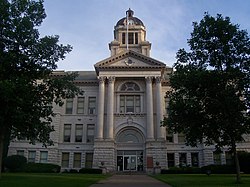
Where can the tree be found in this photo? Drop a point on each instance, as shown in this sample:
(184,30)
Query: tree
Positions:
(209,100)
(27,87)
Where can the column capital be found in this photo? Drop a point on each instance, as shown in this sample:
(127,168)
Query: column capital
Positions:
(111,79)
(158,79)
(101,79)
(149,79)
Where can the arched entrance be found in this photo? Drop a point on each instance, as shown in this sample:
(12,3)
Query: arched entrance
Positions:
(130,150)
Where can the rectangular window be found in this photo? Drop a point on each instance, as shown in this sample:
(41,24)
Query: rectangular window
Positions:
(32,156)
(65,160)
(136,38)
(69,106)
(20,152)
(92,105)
(67,133)
(137,104)
(124,38)
(229,158)
(130,38)
(89,160)
(79,132)
(183,159)
(43,156)
(122,104)
(181,138)
(167,105)
(169,137)
(217,158)
(171,162)
(195,159)
(77,160)
(90,133)
(130,104)
(80,105)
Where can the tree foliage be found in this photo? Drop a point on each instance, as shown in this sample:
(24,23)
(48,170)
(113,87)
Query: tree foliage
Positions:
(27,61)
(209,100)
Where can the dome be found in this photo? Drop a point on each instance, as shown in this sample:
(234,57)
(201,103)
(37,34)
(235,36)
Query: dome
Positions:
(133,20)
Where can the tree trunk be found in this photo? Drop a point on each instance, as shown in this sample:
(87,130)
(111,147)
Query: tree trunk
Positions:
(237,164)
(1,151)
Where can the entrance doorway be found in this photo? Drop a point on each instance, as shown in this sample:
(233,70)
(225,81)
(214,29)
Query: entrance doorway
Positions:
(129,163)
(129,160)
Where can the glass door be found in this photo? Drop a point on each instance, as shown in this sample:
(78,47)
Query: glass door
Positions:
(130,162)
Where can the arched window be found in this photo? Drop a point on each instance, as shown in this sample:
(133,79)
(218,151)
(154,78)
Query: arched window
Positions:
(130,136)
(130,86)
(130,98)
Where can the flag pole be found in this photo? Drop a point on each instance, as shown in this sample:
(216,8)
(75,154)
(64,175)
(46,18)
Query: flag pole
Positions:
(127,29)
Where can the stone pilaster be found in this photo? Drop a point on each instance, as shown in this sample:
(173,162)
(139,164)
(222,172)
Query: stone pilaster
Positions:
(100,114)
(161,132)
(149,96)
(104,151)
(158,151)
(110,108)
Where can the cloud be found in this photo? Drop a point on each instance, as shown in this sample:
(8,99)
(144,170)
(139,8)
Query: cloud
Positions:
(88,25)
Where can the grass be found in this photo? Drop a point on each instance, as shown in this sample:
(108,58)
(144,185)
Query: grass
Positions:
(197,180)
(49,180)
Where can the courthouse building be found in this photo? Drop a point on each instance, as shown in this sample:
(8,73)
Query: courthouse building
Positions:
(116,123)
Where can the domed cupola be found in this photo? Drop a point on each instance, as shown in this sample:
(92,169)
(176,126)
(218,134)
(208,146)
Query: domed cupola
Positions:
(131,19)
(130,34)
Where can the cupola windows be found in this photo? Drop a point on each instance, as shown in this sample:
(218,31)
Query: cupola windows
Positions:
(132,38)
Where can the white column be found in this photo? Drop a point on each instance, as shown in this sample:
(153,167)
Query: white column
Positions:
(110,109)
(149,96)
(161,132)
(100,114)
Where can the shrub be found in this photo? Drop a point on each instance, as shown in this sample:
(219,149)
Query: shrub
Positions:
(73,171)
(181,170)
(15,163)
(219,169)
(90,171)
(41,168)
(65,171)
(244,159)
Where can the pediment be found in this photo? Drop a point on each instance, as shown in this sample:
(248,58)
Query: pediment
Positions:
(129,60)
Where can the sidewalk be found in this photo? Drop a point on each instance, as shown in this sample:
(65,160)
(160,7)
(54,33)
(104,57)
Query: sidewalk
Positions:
(130,181)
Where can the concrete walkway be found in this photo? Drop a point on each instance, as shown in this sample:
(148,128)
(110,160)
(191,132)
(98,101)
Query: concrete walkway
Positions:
(130,181)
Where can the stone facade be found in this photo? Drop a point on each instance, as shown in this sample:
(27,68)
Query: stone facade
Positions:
(115,124)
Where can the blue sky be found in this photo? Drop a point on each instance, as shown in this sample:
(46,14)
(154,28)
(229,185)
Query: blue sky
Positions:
(88,25)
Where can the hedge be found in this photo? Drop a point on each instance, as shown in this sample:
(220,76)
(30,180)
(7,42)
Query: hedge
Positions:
(244,159)
(41,168)
(219,169)
(181,170)
(90,171)
(210,169)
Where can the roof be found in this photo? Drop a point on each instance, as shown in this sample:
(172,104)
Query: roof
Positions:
(147,62)
(86,75)
(82,75)
(129,14)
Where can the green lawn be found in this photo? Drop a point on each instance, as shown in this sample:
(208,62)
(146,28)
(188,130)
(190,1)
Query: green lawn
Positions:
(201,180)
(49,180)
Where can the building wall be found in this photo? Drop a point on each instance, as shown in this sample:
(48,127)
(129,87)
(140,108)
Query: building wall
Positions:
(107,153)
